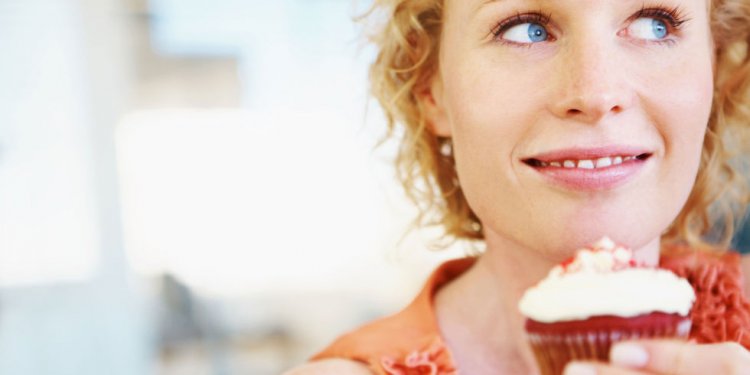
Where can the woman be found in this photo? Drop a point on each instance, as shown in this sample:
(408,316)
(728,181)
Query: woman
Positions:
(539,127)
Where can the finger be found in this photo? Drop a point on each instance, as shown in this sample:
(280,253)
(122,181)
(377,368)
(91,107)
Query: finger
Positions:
(597,368)
(679,357)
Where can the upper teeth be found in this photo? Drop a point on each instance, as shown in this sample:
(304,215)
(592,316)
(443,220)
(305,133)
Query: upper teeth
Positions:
(588,163)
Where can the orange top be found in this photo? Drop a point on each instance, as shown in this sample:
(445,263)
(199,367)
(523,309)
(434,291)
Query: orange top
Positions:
(409,342)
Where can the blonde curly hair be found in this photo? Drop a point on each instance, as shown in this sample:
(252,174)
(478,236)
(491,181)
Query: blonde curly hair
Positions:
(408,42)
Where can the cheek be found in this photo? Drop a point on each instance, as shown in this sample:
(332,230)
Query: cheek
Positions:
(491,111)
(491,105)
(681,106)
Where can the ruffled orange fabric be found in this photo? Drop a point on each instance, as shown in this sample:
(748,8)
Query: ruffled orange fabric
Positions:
(721,311)
(409,342)
(435,360)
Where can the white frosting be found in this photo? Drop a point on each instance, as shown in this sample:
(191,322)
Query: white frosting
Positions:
(603,281)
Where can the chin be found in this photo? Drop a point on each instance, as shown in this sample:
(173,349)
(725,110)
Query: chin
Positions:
(634,233)
(633,222)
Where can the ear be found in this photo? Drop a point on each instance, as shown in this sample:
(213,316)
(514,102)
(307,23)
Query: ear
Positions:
(431,99)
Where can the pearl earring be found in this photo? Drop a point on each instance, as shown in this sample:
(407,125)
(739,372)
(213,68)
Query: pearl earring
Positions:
(446,149)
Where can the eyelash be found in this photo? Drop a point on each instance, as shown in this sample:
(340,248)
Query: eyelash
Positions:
(672,16)
(519,19)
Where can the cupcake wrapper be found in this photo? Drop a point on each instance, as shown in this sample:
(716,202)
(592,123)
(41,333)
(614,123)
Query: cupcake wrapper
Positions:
(553,351)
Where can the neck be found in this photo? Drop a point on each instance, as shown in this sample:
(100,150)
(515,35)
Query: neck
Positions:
(478,312)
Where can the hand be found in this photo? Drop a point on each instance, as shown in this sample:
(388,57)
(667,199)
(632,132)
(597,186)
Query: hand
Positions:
(668,357)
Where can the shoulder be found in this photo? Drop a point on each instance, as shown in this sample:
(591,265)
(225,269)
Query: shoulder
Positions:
(331,366)
(391,344)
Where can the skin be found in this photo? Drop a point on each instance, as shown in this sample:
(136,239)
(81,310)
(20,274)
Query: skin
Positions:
(591,86)
(598,80)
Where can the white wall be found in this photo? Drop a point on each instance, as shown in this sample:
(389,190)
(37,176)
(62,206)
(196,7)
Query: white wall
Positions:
(67,302)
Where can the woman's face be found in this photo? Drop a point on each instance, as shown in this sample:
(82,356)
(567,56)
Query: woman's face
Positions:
(574,119)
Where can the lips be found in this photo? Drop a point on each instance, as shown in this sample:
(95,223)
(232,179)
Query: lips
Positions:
(590,168)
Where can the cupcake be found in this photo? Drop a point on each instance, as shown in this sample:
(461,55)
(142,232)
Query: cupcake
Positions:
(600,296)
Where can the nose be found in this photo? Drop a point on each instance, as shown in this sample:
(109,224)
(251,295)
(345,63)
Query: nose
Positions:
(590,83)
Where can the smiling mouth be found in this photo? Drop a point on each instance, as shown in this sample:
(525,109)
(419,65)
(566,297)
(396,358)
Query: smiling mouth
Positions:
(593,163)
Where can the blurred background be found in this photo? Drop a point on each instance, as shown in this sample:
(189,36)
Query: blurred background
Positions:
(192,187)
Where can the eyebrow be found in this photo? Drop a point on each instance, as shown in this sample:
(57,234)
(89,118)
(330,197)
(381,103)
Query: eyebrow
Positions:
(486,2)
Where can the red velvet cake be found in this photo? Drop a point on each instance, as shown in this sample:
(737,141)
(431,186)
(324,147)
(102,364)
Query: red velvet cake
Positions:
(599,297)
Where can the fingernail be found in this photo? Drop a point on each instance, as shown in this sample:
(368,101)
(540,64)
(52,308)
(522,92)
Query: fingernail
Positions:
(628,355)
(575,368)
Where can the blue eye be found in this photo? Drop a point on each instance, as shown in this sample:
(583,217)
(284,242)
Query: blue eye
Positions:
(659,28)
(648,28)
(526,33)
